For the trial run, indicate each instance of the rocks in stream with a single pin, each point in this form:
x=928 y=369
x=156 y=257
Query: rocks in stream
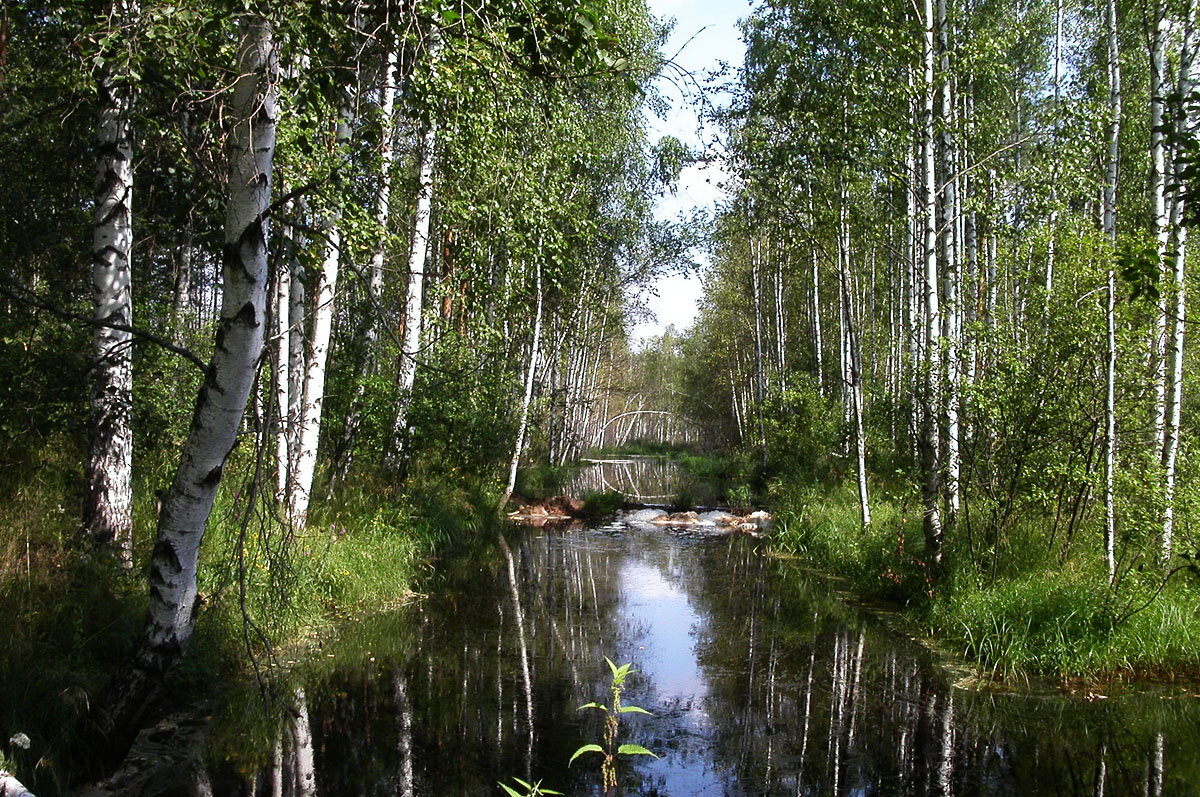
x=645 y=515
x=562 y=510
x=560 y=507
x=756 y=523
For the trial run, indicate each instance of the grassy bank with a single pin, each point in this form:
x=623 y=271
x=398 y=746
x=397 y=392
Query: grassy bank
x=1006 y=600
x=71 y=616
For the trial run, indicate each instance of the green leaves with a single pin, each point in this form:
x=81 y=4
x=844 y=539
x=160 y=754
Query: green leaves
x=1138 y=265
x=531 y=789
x=610 y=750
x=634 y=749
x=587 y=748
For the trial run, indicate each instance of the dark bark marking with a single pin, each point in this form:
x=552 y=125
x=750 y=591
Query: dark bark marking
x=213 y=478
x=164 y=556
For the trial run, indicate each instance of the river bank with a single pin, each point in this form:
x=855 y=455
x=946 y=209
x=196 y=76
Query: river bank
x=1012 y=606
x=760 y=677
x=265 y=591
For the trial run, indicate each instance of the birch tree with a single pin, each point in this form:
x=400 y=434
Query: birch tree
x=108 y=496
x=324 y=295
x=418 y=253
x=1111 y=175
x=222 y=399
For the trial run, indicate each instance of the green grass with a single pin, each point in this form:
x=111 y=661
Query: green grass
x=1008 y=605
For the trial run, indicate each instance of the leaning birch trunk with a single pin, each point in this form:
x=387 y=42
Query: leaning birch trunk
x=1110 y=230
x=222 y=398
x=931 y=390
x=108 y=471
x=410 y=344
x=530 y=374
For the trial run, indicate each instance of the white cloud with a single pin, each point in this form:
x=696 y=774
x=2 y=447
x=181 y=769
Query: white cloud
x=675 y=305
x=711 y=25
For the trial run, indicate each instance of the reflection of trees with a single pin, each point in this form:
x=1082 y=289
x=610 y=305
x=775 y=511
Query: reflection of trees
x=804 y=695
x=648 y=480
x=788 y=664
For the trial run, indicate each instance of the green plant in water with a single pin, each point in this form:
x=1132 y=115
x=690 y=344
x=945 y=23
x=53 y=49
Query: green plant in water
x=612 y=725
x=530 y=789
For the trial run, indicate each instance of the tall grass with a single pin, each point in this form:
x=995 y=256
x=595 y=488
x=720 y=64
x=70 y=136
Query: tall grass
x=1008 y=602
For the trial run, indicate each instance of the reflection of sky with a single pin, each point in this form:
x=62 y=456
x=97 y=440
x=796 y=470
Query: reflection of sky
x=662 y=625
x=665 y=618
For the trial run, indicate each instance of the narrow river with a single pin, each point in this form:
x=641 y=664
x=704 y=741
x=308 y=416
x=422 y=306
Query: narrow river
x=760 y=678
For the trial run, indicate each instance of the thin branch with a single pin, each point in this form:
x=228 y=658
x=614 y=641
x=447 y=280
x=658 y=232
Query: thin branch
x=28 y=297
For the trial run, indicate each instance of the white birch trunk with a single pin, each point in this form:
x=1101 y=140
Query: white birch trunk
x=297 y=346
x=281 y=377
x=818 y=345
x=1110 y=230
x=854 y=384
x=756 y=287
x=1176 y=294
x=383 y=212
x=324 y=294
x=108 y=469
x=530 y=375
x=221 y=402
x=952 y=310
x=931 y=393
x=1158 y=209
x=303 y=764
x=410 y=344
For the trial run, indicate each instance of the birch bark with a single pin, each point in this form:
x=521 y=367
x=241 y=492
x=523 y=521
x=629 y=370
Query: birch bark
x=1177 y=294
x=1110 y=328
x=222 y=398
x=930 y=448
x=530 y=374
x=418 y=248
x=370 y=324
x=108 y=470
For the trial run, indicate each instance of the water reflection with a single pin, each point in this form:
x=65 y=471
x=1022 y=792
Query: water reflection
x=648 y=480
x=761 y=680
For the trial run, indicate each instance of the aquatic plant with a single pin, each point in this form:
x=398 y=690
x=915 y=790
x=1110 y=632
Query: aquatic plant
x=612 y=725
x=530 y=789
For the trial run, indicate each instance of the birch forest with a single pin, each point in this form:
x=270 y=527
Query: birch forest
x=949 y=298
x=299 y=300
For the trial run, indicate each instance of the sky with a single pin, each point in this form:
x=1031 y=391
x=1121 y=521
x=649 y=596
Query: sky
x=711 y=27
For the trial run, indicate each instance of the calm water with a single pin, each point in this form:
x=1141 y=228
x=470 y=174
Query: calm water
x=762 y=682
x=648 y=480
